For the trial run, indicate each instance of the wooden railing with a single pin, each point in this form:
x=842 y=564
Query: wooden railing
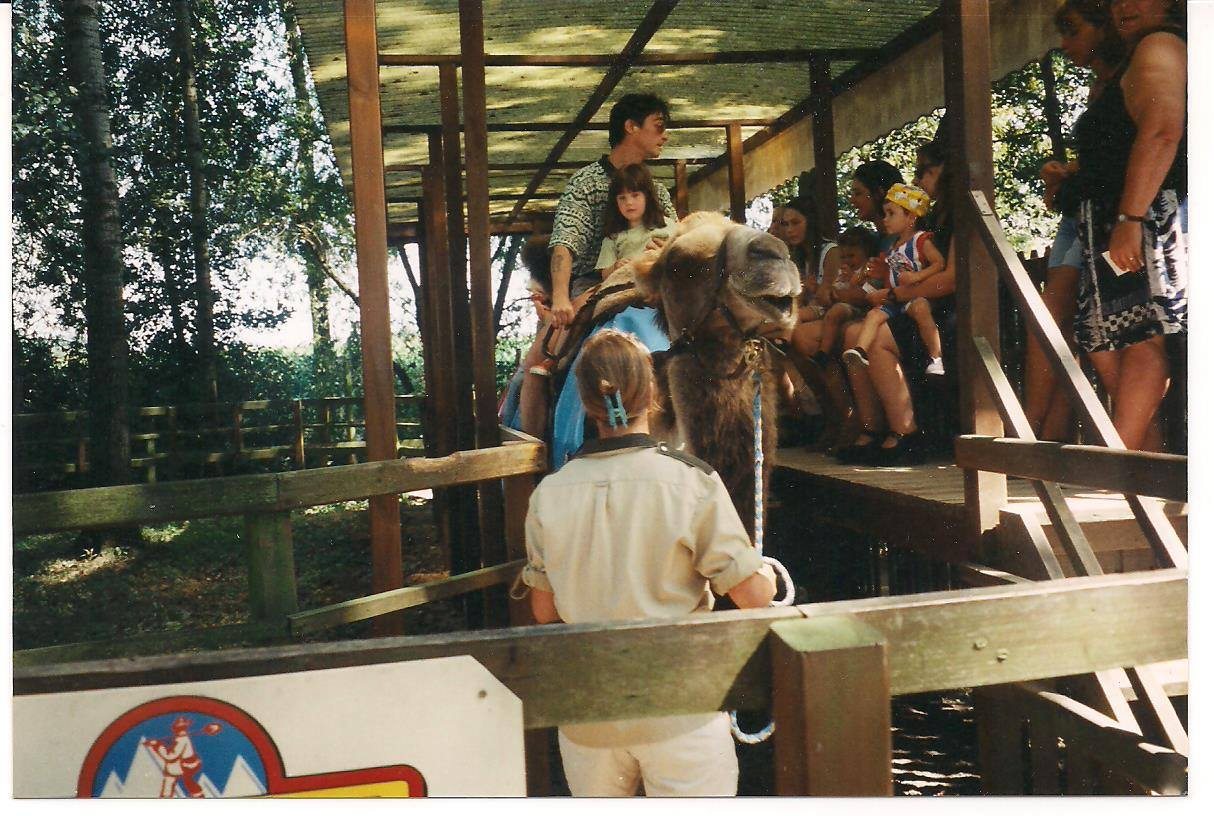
x=1133 y=472
x=826 y=670
x=266 y=502
x=171 y=441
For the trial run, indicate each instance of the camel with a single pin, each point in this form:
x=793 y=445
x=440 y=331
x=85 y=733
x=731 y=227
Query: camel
x=714 y=285
x=718 y=285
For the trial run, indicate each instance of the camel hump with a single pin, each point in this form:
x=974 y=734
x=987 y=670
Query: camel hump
x=685 y=458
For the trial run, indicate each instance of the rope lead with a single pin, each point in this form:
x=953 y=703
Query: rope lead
x=789 y=593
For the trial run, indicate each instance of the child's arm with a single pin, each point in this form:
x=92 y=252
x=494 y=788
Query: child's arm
x=830 y=273
x=934 y=265
x=607 y=262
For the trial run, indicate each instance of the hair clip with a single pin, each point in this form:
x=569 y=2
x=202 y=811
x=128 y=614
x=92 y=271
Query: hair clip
x=617 y=417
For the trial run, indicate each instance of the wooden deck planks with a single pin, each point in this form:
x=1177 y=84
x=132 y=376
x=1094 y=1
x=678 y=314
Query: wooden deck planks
x=923 y=506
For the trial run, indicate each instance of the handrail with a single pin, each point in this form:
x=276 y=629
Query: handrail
x=1148 y=474
x=574 y=673
x=127 y=505
x=203 y=407
x=1169 y=549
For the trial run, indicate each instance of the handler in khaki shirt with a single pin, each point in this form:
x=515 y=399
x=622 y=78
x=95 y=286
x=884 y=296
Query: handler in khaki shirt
x=629 y=529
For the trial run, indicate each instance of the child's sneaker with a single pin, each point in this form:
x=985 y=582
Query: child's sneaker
x=936 y=367
x=856 y=355
x=543 y=369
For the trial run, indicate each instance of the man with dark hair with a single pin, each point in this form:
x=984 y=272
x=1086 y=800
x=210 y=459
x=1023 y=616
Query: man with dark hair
x=637 y=132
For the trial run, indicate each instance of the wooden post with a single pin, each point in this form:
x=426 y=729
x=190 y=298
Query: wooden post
x=298 y=452
x=371 y=246
x=484 y=368
x=461 y=321
x=1044 y=757
x=737 y=173
x=174 y=444
x=680 y=188
x=1000 y=735
x=271 y=560
x=830 y=700
x=822 y=117
x=237 y=433
x=517 y=490
x=462 y=502
x=967 y=85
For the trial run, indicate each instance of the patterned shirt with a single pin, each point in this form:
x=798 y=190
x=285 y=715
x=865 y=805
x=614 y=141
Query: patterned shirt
x=578 y=224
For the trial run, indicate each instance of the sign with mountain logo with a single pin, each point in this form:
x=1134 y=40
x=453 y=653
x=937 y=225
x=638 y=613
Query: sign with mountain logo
x=443 y=727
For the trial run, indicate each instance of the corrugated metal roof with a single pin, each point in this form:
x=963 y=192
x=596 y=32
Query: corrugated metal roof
x=546 y=94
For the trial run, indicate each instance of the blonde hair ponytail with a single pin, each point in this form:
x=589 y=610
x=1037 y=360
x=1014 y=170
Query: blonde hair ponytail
x=615 y=378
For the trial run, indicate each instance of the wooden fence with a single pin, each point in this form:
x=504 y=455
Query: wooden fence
x=826 y=670
x=266 y=501
x=51 y=450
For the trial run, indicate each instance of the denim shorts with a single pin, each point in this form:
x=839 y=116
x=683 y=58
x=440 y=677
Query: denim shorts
x=1066 y=250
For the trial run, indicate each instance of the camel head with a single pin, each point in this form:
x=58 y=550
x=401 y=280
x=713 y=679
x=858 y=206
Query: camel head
x=710 y=261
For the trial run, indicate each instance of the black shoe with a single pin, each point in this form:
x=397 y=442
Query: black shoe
x=858 y=454
x=908 y=450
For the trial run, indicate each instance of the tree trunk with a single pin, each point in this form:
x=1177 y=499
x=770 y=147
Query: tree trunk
x=324 y=358
x=109 y=433
x=507 y=272
x=199 y=202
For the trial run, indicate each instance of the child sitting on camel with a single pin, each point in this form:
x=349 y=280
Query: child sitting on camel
x=912 y=259
x=634 y=221
x=630 y=529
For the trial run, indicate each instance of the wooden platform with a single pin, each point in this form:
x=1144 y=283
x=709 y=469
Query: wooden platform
x=923 y=507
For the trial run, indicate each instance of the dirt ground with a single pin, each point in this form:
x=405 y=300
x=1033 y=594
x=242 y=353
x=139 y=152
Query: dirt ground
x=192 y=575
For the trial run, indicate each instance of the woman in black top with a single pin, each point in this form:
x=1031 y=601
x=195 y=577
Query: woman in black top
x=1131 y=178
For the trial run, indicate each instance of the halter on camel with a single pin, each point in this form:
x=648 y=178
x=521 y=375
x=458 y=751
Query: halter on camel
x=757 y=354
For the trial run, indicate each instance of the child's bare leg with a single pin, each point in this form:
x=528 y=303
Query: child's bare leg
x=920 y=311
x=873 y=321
x=533 y=396
x=806 y=338
x=836 y=316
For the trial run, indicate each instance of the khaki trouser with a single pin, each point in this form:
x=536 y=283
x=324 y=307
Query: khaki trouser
x=698 y=763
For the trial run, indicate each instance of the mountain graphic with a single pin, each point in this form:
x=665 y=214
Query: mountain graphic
x=145 y=775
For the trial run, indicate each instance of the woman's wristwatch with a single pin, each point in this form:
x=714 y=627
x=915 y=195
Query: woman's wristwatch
x=1137 y=219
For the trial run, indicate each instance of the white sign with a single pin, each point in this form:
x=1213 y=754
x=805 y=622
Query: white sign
x=443 y=727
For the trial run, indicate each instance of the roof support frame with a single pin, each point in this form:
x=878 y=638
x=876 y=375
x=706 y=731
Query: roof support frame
x=577 y=126
x=967 y=92
x=649 y=26
x=753 y=57
x=371 y=249
x=476 y=179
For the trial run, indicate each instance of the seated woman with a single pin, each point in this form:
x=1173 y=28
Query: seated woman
x=884 y=390
x=819 y=261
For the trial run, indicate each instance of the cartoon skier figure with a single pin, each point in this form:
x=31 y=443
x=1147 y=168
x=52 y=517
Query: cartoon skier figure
x=181 y=762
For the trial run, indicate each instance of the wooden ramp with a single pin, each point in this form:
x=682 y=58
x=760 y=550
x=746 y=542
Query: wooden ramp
x=922 y=508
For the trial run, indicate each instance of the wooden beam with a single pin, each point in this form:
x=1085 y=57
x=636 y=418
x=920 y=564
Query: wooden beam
x=492 y=549
x=326 y=617
x=561 y=165
x=371 y=247
x=405 y=232
x=822 y=114
x=417 y=199
x=1089 y=732
x=106 y=507
x=680 y=188
x=737 y=173
x=755 y=57
x=967 y=88
x=440 y=391
x=1169 y=550
x=649 y=26
x=1137 y=472
x=914 y=35
x=831 y=706
x=575 y=127
x=699 y=663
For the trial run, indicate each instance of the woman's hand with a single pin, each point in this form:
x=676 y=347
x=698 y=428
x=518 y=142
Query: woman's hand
x=1125 y=245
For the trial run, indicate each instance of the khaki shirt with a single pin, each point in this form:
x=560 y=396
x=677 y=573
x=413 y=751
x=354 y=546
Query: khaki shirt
x=624 y=531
